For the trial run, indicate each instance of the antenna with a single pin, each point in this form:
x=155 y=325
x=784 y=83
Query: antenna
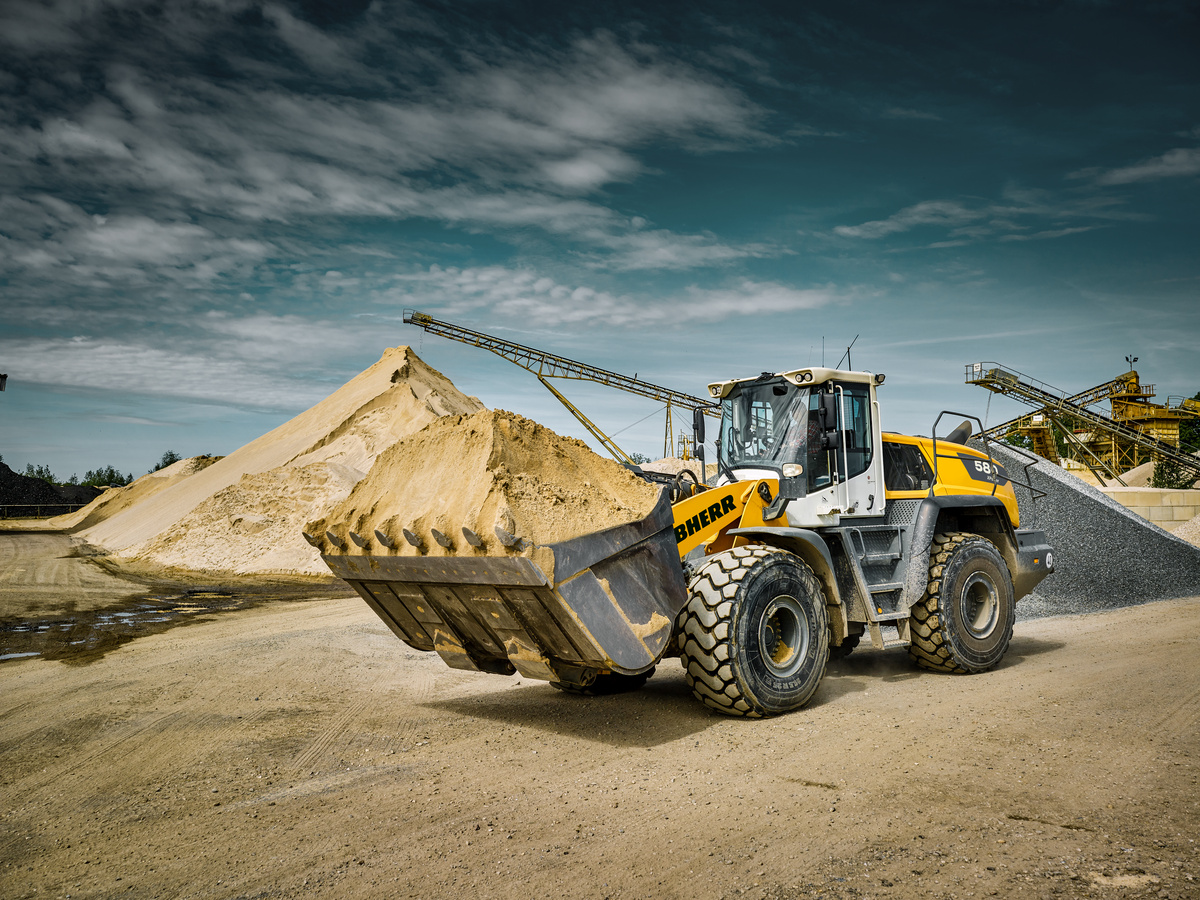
x=846 y=356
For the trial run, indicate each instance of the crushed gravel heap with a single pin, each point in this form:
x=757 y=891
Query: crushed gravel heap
x=483 y=471
x=243 y=514
x=1105 y=556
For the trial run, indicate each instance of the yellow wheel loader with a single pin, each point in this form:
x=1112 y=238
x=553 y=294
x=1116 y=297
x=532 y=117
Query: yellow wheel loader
x=820 y=529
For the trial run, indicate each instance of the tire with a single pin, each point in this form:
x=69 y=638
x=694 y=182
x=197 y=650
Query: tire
x=845 y=648
x=754 y=636
x=603 y=685
x=964 y=622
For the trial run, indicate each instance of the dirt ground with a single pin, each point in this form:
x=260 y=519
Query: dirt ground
x=300 y=750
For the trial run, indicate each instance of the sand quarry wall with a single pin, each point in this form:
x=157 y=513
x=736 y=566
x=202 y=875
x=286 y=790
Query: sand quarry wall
x=244 y=513
x=1105 y=556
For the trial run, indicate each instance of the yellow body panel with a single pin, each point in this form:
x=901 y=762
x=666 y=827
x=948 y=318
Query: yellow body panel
x=953 y=477
x=705 y=518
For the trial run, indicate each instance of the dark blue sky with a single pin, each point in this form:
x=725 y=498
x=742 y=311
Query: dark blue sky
x=212 y=213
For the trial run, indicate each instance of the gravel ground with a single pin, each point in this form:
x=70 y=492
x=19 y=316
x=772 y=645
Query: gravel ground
x=1105 y=556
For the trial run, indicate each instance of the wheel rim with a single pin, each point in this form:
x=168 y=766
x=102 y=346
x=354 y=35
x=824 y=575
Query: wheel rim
x=783 y=636
x=979 y=606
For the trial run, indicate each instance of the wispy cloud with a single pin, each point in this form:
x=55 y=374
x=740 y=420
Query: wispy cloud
x=928 y=212
x=258 y=360
x=1009 y=219
x=1181 y=162
x=900 y=112
x=176 y=176
x=524 y=295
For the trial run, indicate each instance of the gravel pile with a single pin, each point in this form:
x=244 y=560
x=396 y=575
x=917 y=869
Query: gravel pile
x=1105 y=556
x=21 y=489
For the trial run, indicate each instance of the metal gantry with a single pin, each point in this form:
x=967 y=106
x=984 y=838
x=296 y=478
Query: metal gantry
x=1056 y=406
x=546 y=365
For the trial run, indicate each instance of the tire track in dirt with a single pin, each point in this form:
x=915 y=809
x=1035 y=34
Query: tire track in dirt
x=1182 y=717
x=331 y=737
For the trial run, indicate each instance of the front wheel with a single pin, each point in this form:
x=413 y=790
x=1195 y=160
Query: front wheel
x=965 y=620
x=754 y=636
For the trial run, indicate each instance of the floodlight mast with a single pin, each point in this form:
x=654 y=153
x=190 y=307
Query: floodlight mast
x=546 y=365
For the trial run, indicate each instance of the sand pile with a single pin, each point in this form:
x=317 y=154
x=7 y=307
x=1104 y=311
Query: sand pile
x=483 y=471
x=243 y=513
x=115 y=500
x=1189 y=531
x=254 y=526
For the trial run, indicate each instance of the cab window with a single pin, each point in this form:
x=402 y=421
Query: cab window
x=905 y=468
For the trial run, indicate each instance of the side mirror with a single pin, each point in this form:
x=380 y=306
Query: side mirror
x=828 y=412
x=829 y=425
x=698 y=426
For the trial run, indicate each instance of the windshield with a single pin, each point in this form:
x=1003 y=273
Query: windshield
x=764 y=425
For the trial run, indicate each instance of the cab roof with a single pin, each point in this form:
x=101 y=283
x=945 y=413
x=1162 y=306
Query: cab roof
x=799 y=377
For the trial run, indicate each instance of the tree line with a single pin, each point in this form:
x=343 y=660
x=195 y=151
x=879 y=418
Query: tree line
x=104 y=476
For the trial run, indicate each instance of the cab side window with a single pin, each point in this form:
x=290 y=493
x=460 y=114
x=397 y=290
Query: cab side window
x=905 y=468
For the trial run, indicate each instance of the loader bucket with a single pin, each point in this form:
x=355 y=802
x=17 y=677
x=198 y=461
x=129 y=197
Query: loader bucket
x=607 y=603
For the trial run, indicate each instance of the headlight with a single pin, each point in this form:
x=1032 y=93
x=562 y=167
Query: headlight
x=793 y=470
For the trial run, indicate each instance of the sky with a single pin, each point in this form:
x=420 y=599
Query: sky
x=213 y=213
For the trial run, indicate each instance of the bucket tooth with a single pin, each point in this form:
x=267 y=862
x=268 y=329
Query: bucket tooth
x=312 y=539
x=507 y=538
x=442 y=539
x=384 y=539
x=413 y=539
x=335 y=540
x=472 y=538
x=358 y=539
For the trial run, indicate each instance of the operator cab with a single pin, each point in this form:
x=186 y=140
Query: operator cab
x=816 y=430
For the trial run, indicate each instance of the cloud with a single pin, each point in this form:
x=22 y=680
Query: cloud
x=1050 y=234
x=1178 y=163
x=900 y=112
x=928 y=212
x=123 y=367
x=523 y=295
x=260 y=360
x=189 y=173
x=1007 y=219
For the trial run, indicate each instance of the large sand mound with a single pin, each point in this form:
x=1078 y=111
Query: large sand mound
x=115 y=500
x=243 y=512
x=488 y=470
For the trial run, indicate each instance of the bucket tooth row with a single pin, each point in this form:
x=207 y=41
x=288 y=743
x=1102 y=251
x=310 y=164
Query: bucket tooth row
x=473 y=538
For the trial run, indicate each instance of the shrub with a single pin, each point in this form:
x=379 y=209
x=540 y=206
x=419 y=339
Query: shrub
x=1171 y=475
x=106 y=476
x=42 y=472
x=168 y=458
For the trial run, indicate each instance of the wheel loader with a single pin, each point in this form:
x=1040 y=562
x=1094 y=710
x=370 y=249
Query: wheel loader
x=820 y=529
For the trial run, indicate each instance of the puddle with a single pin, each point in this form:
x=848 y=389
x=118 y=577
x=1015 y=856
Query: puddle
x=84 y=637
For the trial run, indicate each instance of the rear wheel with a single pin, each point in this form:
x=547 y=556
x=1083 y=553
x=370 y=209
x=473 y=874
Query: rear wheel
x=964 y=622
x=754 y=636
